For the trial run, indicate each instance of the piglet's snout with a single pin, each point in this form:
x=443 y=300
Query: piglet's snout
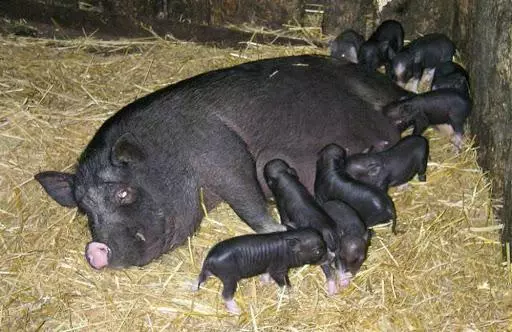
x=97 y=254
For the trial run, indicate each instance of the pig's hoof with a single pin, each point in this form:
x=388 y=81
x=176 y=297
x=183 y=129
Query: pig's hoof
x=422 y=177
x=192 y=285
x=402 y=187
x=265 y=279
x=344 y=282
x=331 y=288
x=232 y=307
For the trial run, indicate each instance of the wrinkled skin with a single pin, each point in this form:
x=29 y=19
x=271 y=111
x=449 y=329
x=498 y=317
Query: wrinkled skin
x=392 y=167
x=382 y=46
x=249 y=255
x=426 y=52
x=346 y=45
x=439 y=107
x=139 y=179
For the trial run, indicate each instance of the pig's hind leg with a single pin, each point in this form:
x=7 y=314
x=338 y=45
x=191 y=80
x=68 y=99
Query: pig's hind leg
x=228 y=292
x=227 y=168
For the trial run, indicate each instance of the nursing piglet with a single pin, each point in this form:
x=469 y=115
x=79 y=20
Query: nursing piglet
x=250 y=255
x=354 y=238
x=437 y=107
x=332 y=182
x=382 y=46
x=392 y=167
x=346 y=45
x=423 y=53
x=299 y=209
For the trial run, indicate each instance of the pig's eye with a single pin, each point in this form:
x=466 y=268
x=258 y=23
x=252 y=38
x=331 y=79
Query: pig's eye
x=125 y=195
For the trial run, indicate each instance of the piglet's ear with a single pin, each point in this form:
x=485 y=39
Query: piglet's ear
x=126 y=151
x=374 y=169
x=293 y=244
x=59 y=186
x=292 y=172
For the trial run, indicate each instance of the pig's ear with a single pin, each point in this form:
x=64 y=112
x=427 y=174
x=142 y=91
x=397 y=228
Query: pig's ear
x=368 y=150
x=293 y=244
x=59 y=186
x=374 y=169
x=292 y=172
x=126 y=151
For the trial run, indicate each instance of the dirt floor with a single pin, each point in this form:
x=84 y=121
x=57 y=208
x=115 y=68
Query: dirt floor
x=443 y=272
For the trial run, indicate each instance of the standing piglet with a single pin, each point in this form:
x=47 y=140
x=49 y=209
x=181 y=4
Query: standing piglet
x=392 y=167
x=332 y=182
x=250 y=255
x=382 y=46
x=426 y=52
x=437 y=107
x=354 y=238
x=450 y=75
x=299 y=209
x=346 y=45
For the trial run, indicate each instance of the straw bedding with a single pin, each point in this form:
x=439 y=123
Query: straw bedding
x=442 y=272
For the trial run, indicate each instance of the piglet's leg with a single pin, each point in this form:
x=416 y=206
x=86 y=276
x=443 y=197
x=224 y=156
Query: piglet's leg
x=280 y=277
x=227 y=293
x=456 y=140
x=331 y=283
x=343 y=278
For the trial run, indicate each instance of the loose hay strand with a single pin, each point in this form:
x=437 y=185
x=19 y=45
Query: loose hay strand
x=442 y=272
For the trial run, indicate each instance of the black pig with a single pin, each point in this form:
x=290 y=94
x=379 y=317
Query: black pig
x=444 y=106
x=249 y=255
x=450 y=75
x=373 y=205
x=423 y=53
x=299 y=209
x=346 y=45
x=382 y=46
x=354 y=238
x=392 y=167
x=139 y=178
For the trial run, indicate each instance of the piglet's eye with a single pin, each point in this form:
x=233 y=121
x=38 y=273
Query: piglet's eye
x=125 y=195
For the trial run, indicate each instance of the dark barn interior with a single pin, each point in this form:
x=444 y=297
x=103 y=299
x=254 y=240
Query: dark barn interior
x=483 y=35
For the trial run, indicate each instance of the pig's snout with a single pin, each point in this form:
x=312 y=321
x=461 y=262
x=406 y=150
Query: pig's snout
x=97 y=254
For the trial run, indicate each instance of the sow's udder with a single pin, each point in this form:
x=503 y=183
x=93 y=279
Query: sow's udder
x=97 y=254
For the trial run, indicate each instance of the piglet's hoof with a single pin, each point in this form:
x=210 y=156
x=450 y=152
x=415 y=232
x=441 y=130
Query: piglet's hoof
x=265 y=279
x=232 y=307
x=403 y=187
x=331 y=288
x=344 y=282
x=344 y=278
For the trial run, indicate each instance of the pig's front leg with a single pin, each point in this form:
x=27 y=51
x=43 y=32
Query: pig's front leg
x=331 y=282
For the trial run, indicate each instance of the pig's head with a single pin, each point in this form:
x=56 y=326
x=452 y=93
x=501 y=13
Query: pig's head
x=331 y=157
x=401 y=68
x=306 y=247
x=368 y=168
x=123 y=202
x=353 y=252
x=369 y=56
x=275 y=169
